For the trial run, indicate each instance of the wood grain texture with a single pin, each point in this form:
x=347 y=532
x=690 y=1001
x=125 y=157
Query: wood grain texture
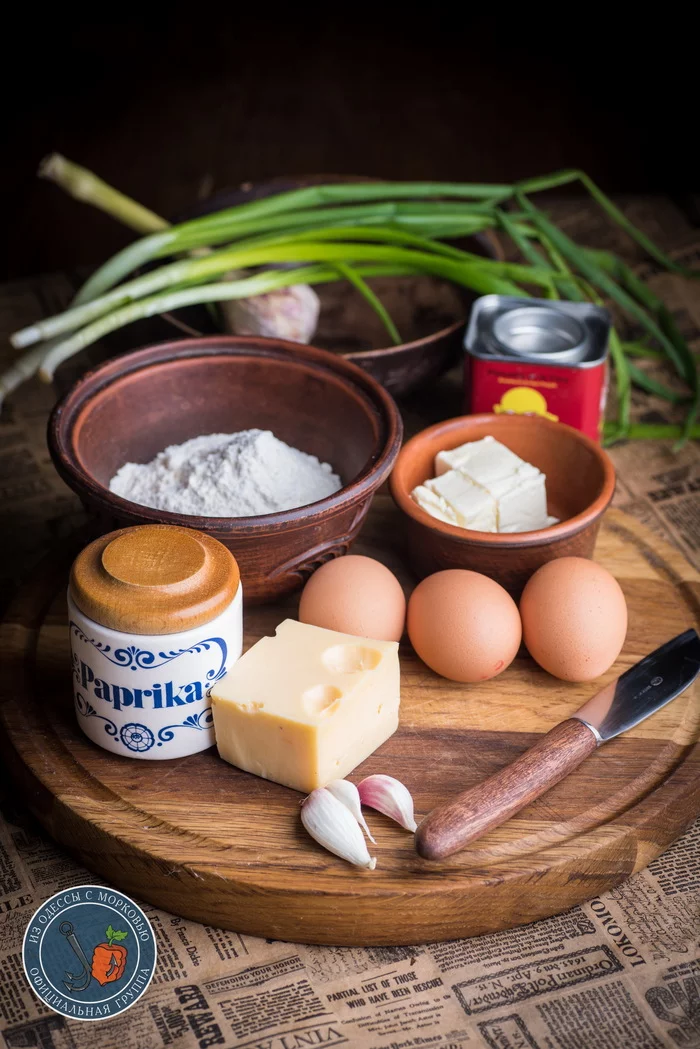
x=154 y=579
x=450 y=827
x=201 y=839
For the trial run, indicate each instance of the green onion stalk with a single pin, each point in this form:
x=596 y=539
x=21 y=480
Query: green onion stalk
x=355 y=231
x=483 y=275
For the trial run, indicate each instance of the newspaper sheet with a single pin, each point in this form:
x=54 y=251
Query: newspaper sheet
x=622 y=970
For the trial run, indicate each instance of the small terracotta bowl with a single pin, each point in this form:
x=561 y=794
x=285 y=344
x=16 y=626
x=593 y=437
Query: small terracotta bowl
x=134 y=406
x=580 y=485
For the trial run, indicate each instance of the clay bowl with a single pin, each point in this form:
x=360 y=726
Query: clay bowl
x=135 y=405
x=580 y=485
x=433 y=310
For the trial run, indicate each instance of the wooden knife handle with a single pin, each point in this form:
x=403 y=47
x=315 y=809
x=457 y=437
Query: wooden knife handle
x=450 y=827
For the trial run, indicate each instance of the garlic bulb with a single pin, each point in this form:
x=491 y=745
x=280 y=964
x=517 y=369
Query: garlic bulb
x=287 y=313
x=334 y=827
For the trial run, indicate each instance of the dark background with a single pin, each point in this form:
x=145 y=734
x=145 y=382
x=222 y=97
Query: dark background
x=173 y=103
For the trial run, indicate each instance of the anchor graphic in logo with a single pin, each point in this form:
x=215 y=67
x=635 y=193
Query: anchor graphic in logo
x=108 y=959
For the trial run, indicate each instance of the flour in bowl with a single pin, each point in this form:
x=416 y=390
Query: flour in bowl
x=227 y=475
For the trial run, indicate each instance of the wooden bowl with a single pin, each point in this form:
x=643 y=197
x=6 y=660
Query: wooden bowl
x=135 y=405
x=433 y=310
x=580 y=485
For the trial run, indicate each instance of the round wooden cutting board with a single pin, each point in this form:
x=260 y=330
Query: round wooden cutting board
x=208 y=842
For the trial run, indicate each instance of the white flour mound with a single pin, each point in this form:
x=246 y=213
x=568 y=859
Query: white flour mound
x=227 y=475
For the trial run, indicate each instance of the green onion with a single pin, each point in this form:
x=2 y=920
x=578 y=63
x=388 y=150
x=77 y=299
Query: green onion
x=565 y=281
x=180 y=296
x=521 y=241
x=650 y=432
x=136 y=301
x=641 y=348
x=351 y=274
x=23 y=368
x=482 y=275
x=590 y=269
x=563 y=178
x=672 y=341
x=622 y=382
x=651 y=385
x=356 y=230
x=222 y=225
x=88 y=188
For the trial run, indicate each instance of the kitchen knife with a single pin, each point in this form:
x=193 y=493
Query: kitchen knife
x=629 y=699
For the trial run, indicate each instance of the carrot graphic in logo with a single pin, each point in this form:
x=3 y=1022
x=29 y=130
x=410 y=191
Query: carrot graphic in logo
x=109 y=959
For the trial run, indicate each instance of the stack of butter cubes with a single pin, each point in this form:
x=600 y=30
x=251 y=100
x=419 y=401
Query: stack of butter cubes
x=484 y=486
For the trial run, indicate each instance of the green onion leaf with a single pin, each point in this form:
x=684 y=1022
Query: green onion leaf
x=646 y=382
x=364 y=289
x=562 y=178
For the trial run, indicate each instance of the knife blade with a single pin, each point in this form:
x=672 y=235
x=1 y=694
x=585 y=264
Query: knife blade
x=636 y=694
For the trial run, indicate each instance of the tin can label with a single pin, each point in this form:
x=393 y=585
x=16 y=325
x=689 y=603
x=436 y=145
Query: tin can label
x=563 y=394
x=538 y=357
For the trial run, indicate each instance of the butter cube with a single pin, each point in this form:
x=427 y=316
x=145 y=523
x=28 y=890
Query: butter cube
x=483 y=461
x=517 y=487
x=474 y=506
x=306 y=706
x=488 y=452
x=524 y=507
x=434 y=504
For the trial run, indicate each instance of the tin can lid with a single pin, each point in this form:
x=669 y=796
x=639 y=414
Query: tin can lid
x=154 y=579
x=540 y=331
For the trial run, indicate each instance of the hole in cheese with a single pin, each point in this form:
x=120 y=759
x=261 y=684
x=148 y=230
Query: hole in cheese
x=320 y=698
x=349 y=659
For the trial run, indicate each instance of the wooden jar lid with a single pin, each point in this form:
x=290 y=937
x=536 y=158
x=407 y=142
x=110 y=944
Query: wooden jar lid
x=154 y=579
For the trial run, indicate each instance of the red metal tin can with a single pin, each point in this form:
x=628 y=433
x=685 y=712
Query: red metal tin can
x=538 y=357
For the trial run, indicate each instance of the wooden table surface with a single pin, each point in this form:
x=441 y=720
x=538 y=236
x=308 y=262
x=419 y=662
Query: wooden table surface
x=658 y=486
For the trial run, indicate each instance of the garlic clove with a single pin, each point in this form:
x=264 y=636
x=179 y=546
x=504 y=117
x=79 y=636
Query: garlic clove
x=389 y=796
x=347 y=792
x=334 y=827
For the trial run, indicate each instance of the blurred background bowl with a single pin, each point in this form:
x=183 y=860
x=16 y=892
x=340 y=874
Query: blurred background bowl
x=134 y=406
x=429 y=312
x=580 y=485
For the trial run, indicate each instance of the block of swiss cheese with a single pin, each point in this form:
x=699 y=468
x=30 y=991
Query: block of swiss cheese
x=306 y=706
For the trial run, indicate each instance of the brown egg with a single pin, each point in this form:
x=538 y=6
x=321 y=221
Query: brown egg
x=463 y=625
x=355 y=595
x=574 y=618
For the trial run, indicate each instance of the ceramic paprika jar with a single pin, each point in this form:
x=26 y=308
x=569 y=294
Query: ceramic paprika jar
x=155 y=616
